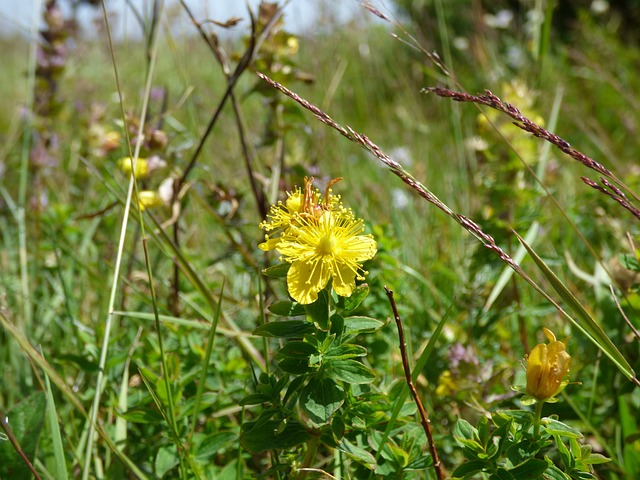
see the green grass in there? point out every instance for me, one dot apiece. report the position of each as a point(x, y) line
point(440, 274)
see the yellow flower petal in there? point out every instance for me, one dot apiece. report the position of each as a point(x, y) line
point(306, 279)
point(344, 280)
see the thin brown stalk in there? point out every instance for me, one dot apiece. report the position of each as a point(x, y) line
point(626, 319)
point(16, 445)
point(424, 417)
point(614, 192)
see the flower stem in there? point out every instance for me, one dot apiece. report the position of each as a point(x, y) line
point(536, 420)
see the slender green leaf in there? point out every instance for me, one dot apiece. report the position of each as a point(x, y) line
point(285, 329)
point(60, 466)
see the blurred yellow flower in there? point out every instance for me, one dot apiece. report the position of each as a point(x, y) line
point(149, 199)
point(125, 164)
point(321, 249)
point(547, 366)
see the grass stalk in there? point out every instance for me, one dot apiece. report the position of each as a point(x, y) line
point(120, 249)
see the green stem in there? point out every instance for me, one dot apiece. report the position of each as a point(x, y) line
point(537, 419)
point(312, 448)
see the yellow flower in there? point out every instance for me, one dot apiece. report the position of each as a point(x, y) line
point(149, 199)
point(547, 366)
point(328, 247)
point(126, 165)
point(282, 216)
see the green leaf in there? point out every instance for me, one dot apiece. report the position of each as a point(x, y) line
point(272, 435)
point(565, 455)
point(399, 456)
point(345, 351)
point(587, 324)
point(360, 455)
point(420, 463)
point(209, 445)
point(505, 439)
point(628, 261)
point(483, 430)
point(596, 459)
point(166, 460)
point(469, 468)
point(298, 350)
point(320, 398)
point(555, 427)
point(464, 430)
point(277, 271)
point(350, 371)
point(60, 467)
point(26, 420)
point(530, 469)
point(350, 303)
point(293, 387)
point(554, 473)
point(285, 329)
point(357, 325)
point(628, 422)
point(337, 428)
point(502, 474)
point(318, 311)
point(287, 308)
point(255, 399)
point(296, 366)
point(142, 415)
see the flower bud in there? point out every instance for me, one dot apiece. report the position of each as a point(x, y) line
point(125, 164)
point(149, 199)
point(547, 366)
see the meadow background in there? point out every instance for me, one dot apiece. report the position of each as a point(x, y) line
point(179, 292)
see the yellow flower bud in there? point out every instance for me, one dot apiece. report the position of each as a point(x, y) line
point(126, 165)
point(547, 366)
point(149, 199)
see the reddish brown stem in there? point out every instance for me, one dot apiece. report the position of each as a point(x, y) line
point(426, 424)
point(16, 445)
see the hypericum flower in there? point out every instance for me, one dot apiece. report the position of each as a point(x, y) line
point(328, 247)
point(144, 166)
point(126, 165)
point(299, 204)
point(547, 366)
point(149, 199)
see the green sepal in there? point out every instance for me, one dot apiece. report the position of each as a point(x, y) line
point(277, 271)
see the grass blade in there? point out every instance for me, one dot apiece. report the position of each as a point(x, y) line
point(60, 465)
